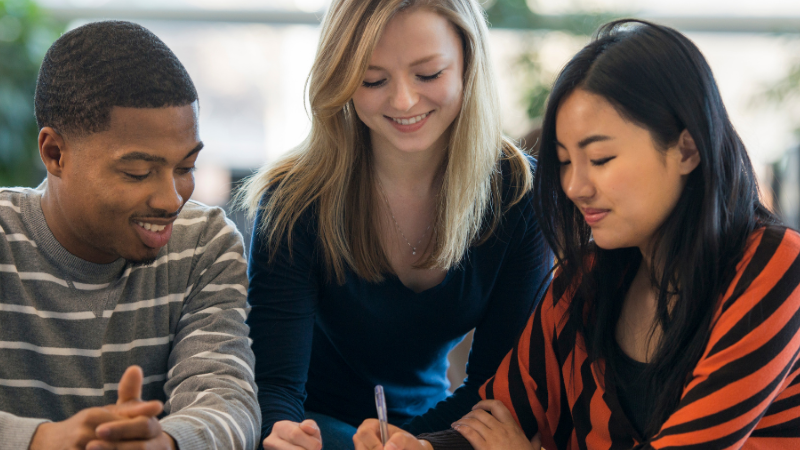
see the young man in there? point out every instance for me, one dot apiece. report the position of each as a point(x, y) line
point(113, 286)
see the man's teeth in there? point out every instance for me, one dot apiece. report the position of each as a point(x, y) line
point(412, 120)
point(151, 226)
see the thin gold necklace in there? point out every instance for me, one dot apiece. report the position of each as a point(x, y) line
point(400, 230)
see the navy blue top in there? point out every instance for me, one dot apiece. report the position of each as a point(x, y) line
point(335, 343)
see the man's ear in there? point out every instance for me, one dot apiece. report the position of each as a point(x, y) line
point(51, 150)
point(690, 156)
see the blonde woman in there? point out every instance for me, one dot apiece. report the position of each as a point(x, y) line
point(403, 222)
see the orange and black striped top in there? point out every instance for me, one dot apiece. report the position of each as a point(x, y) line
point(743, 393)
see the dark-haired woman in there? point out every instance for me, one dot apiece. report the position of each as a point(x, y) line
point(673, 319)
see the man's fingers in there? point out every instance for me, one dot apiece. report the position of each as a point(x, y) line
point(126, 445)
point(92, 417)
point(138, 428)
point(100, 445)
point(137, 408)
point(498, 410)
point(130, 385)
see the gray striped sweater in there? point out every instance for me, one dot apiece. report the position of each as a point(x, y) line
point(69, 329)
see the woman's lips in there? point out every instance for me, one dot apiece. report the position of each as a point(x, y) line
point(592, 216)
point(418, 120)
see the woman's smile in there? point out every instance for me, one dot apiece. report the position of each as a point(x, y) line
point(409, 124)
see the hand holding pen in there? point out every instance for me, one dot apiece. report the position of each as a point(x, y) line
point(368, 437)
point(378, 434)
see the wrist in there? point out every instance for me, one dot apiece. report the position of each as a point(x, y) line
point(172, 444)
point(38, 436)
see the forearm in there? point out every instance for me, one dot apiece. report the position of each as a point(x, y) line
point(212, 400)
point(283, 294)
point(211, 389)
point(278, 403)
point(210, 385)
point(447, 411)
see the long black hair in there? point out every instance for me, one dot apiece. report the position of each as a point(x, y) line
point(659, 80)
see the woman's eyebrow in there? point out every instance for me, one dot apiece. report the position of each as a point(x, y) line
point(592, 139)
point(422, 60)
point(589, 140)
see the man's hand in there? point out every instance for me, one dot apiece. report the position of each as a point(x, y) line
point(368, 437)
point(130, 422)
point(287, 435)
point(73, 433)
point(497, 430)
point(137, 427)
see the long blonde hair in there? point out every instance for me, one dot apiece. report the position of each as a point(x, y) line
point(331, 171)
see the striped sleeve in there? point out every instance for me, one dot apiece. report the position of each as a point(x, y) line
point(745, 385)
point(210, 385)
point(532, 396)
point(535, 394)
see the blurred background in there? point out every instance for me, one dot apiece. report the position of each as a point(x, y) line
point(249, 60)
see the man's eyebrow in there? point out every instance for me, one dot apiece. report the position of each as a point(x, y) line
point(196, 149)
point(142, 156)
point(415, 63)
point(147, 157)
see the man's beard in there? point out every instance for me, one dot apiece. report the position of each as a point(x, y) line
point(141, 262)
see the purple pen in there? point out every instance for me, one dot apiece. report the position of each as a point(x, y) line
point(380, 404)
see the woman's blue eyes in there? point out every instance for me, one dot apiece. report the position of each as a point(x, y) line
point(380, 83)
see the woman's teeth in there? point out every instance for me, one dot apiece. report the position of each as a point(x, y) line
point(412, 120)
point(151, 226)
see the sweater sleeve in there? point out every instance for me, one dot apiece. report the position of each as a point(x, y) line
point(17, 432)
point(532, 397)
point(446, 440)
point(534, 391)
point(751, 357)
point(522, 272)
point(211, 393)
point(283, 294)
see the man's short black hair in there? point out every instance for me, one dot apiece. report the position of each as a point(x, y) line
point(93, 68)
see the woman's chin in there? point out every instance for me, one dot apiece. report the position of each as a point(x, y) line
point(606, 242)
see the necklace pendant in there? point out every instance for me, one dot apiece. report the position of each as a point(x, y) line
point(413, 253)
